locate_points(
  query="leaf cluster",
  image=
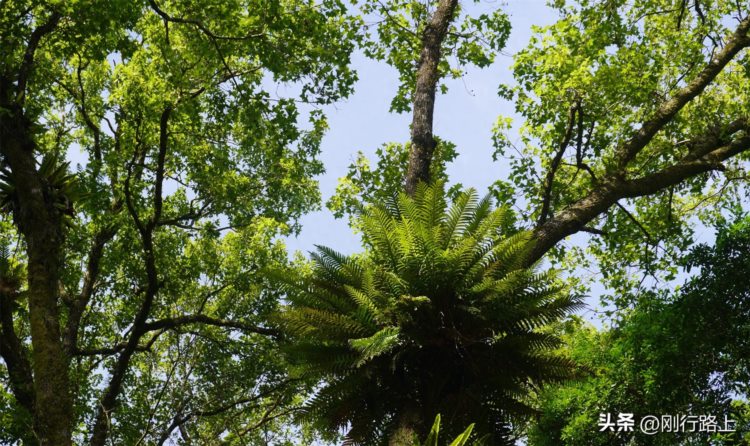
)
(436, 316)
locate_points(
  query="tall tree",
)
(427, 43)
(31, 34)
(604, 135)
(422, 140)
(189, 167)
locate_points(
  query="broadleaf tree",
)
(634, 121)
(674, 352)
(131, 311)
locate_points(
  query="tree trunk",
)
(40, 223)
(571, 220)
(422, 140)
(407, 430)
(14, 354)
(54, 408)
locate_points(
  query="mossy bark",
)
(407, 429)
(41, 225)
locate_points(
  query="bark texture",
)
(41, 225)
(422, 140)
(14, 354)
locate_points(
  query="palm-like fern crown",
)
(60, 186)
(438, 316)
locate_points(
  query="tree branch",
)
(706, 154)
(168, 18)
(105, 351)
(78, 306)
(109, 398)
(27, 65)
(14, 355)
(594, 231)
(613, 188)
(170, 323)
(668, 109)
(159, 181)
(214, 38)
(179, 420)
(555, 164)
(637, 223)
(86, 118)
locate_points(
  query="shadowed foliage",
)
(437, 316)
(675, 352)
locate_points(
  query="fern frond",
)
(431, 204)
(311, 322)
(364, 301)
(380, 343)
(481, 211)
(459, 217)
(380, 229)
(316, 360)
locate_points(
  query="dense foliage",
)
(437, 316)
(136, 313)
(686, 352)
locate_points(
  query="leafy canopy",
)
(589, 81)
(683, 352)
(187, 166)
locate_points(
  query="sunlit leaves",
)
(616, 62)
(399, 25)
(217, 98)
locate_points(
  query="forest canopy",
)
(154, 155)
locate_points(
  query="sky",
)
(464, 116)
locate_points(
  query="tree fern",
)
(437, 316)
(60, 185)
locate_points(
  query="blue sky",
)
(464, 116)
